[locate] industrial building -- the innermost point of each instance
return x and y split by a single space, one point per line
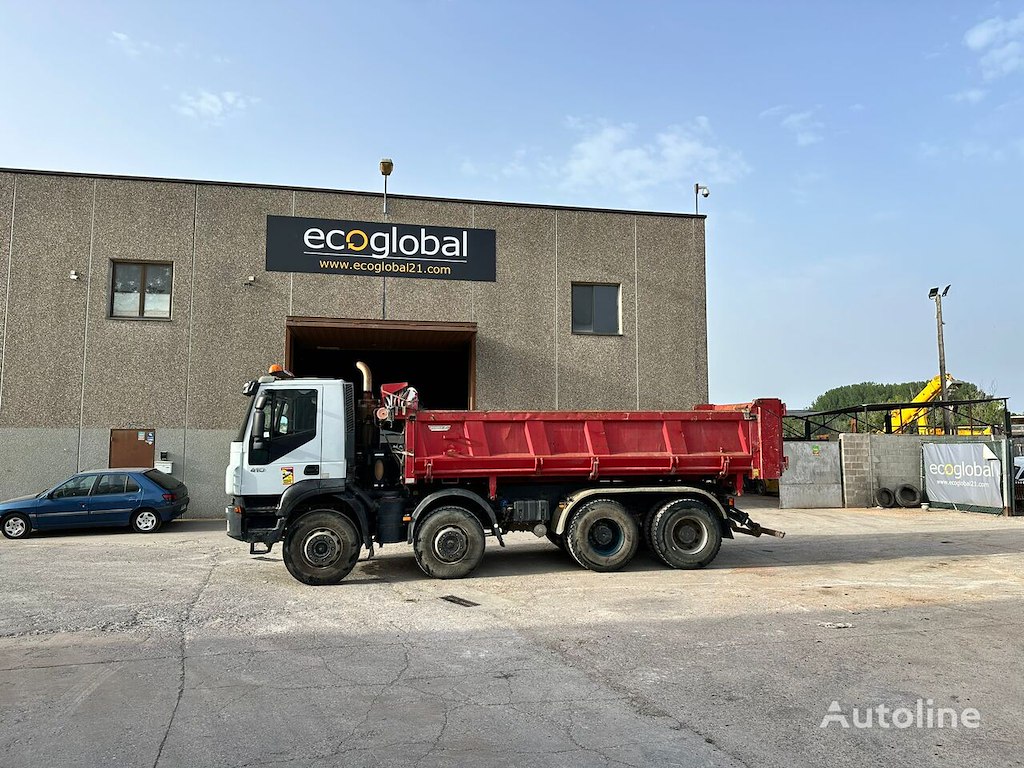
134 310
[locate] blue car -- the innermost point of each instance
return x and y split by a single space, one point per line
141 498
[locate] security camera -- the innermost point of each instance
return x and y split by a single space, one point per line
705 191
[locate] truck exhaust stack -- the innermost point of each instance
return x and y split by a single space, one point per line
367 377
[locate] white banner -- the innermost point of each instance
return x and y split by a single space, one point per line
966 474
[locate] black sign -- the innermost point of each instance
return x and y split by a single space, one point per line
376 249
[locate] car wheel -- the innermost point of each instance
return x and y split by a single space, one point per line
145 521
16 526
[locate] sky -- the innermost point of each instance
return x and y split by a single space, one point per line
857 154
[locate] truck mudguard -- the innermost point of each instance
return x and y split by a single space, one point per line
455 493
308 490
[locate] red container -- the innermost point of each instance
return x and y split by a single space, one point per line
711 441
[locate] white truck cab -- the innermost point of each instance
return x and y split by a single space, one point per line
295 430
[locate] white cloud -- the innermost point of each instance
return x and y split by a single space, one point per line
806 128
778 109
1000 44
969 96
130 46
1004 60
966 150
612 156
213 108
994 30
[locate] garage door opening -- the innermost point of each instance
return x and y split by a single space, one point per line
439 359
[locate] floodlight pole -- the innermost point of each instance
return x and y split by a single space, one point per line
942 360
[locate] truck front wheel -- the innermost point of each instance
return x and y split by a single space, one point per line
685 534
449 543
602 536
321 547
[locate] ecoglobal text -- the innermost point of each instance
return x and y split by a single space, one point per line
382 244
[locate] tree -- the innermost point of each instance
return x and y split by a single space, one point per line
852 396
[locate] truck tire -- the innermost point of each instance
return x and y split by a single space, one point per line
449 543
646 537
685 534
558 541
885 498
321 547
602 536
908 496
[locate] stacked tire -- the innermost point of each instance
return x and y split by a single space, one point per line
905 495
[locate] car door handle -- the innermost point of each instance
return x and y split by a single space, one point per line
311 469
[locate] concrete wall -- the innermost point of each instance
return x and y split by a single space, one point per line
69 373
871 462
812 479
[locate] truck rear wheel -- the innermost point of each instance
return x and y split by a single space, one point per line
449 543
602 536
321 547
685 534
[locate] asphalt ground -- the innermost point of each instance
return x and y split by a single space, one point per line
179 649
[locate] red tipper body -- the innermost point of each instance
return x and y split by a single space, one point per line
730 442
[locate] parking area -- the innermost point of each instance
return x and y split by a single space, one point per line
178 648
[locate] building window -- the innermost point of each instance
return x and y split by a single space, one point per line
140 289
595 309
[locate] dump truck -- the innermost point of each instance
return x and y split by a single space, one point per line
328 473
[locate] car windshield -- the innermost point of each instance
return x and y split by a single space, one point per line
162 479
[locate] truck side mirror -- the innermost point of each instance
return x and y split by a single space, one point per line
259 422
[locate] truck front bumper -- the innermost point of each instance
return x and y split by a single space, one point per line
253 528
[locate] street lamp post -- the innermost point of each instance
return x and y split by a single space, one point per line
386 167
937 297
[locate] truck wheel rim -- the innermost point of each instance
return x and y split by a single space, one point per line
322 547
146 521
15 526
451 544
689 535
605 537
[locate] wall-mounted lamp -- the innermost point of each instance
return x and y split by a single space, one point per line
386 167
250 280
73 274
699 191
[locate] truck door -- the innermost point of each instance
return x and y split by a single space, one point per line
290 448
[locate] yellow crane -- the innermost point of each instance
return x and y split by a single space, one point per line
901 419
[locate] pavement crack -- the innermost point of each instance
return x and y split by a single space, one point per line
186 616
